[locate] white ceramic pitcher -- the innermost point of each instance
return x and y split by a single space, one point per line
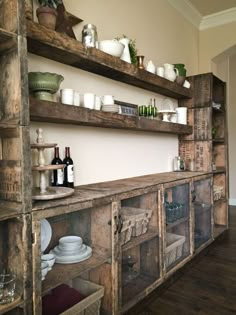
169 72
126 54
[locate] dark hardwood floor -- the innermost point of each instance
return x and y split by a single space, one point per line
206 286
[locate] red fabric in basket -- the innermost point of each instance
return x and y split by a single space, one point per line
60 299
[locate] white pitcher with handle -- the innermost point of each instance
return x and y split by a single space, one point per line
126 54
169 72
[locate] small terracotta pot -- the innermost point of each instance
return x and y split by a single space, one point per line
47 17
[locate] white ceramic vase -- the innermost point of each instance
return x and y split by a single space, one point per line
126 54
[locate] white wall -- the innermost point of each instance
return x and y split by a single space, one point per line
161 35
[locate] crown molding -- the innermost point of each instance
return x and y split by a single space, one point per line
217 19
203 22
188 11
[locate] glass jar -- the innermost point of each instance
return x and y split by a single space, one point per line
89 35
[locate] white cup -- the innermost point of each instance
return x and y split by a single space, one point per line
76 100
181 115
108 100
89 100
97 105
160 71
67 96
186 84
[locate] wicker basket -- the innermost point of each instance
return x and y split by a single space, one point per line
140 217
127 228
174 248
89 305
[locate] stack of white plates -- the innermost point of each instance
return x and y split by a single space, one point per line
113 108
71 250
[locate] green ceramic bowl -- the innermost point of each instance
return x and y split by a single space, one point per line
44 81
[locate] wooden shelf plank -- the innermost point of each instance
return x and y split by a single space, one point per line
140 239
60 113
169 226
9 210
18 302
61 273
61 48
218 140
219 170
7 40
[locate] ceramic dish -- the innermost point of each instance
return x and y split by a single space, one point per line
74 258
46 234
60 252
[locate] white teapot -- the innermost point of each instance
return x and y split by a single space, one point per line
169 72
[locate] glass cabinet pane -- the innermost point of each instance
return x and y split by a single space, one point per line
177 214
139 240
202 212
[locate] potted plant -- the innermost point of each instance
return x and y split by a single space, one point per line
47 12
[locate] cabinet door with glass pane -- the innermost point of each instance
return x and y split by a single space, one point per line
202 204
140 247
176 221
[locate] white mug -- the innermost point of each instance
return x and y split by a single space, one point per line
160 71
108 100
97 105
76 100
89 100
181 115
67 96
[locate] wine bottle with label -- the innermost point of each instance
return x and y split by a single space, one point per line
69 169
57 175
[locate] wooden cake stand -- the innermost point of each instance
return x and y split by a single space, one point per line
45 192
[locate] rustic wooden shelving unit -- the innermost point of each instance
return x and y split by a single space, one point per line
208 149
94 207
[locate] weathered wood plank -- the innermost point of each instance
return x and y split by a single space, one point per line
58 47
60 113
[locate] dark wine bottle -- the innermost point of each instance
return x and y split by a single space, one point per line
69 169
57 175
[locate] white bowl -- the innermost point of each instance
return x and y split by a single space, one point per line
111 47
49 259
70 242
44 269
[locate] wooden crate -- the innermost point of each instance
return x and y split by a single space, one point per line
206 89
91 304
198 151
200 120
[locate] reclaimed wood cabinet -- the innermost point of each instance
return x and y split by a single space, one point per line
95 212
207 146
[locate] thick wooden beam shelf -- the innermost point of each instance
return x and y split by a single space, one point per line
65 114
61 48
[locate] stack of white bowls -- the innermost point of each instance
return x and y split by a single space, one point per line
71 250
47 261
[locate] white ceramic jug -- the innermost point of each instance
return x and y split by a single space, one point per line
126 54
150 67
169 72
